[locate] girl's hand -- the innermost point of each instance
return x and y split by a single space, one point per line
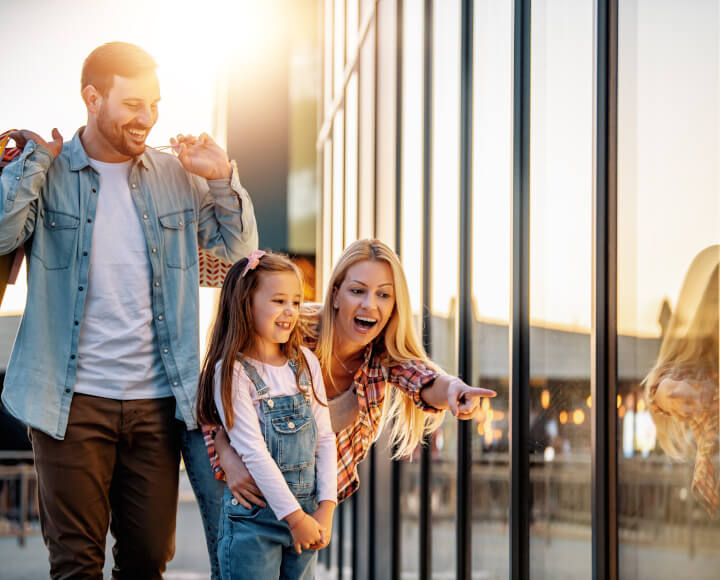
324 516
463 399
306 531
239 480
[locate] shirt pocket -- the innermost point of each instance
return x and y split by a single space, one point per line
59 239
294 441
180 238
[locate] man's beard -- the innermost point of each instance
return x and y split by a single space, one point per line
117 136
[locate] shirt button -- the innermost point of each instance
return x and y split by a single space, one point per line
84 253
94 190
233 501
52 224
80 288
18 178
145 216
175 383
165 350
154 250
72 357
181 223
89 220
133 186
67 390
291 425
160 317
157 284
271 403
76 323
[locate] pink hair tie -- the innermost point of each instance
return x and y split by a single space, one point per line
253 260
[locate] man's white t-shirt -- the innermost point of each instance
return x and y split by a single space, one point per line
118 356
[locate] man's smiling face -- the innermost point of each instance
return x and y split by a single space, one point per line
128 112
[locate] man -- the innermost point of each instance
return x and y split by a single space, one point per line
107 352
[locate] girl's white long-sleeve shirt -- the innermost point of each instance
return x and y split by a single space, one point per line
246 434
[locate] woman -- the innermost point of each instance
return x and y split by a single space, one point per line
375 369
682 387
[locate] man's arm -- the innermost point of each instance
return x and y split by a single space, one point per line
226 224
20 185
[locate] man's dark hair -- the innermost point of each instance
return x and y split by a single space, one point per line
114 58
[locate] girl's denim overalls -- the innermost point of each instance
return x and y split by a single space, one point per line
252 543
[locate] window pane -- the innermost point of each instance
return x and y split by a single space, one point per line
351 129
444 262
668 255
492 164
560 287
411 244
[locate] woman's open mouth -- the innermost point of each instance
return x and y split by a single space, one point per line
364 323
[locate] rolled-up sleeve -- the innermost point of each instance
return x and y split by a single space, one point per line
412 377
21 184
227 226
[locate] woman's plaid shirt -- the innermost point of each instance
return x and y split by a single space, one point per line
371 379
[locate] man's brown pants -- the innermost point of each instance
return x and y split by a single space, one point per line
117 465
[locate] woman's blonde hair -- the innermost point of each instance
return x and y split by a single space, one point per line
690 346
409 423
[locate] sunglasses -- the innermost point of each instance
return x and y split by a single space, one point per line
8 153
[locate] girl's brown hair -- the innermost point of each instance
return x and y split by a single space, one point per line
233 333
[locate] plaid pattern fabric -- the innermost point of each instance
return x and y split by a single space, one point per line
705 485
353 442
704 425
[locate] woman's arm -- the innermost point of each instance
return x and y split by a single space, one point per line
448 392
239 480
432 390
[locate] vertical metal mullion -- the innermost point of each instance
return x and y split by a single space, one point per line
520 315
355 536
341 538
396 466
463 555
425 547
371 515
604 329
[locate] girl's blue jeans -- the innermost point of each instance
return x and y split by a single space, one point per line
255 545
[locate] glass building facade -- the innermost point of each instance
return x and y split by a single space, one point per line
548 173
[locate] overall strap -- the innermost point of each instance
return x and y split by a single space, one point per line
254 376
304 382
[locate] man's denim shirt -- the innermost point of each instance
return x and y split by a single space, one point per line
50 205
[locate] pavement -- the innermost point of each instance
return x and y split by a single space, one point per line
190 562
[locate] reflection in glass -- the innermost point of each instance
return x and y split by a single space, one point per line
668 255
492 123
560 288
682 387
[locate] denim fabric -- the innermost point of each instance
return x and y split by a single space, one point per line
253 543
208 490
50 206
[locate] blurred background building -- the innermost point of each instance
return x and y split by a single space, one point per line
547 172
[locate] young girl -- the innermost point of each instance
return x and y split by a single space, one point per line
267 392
